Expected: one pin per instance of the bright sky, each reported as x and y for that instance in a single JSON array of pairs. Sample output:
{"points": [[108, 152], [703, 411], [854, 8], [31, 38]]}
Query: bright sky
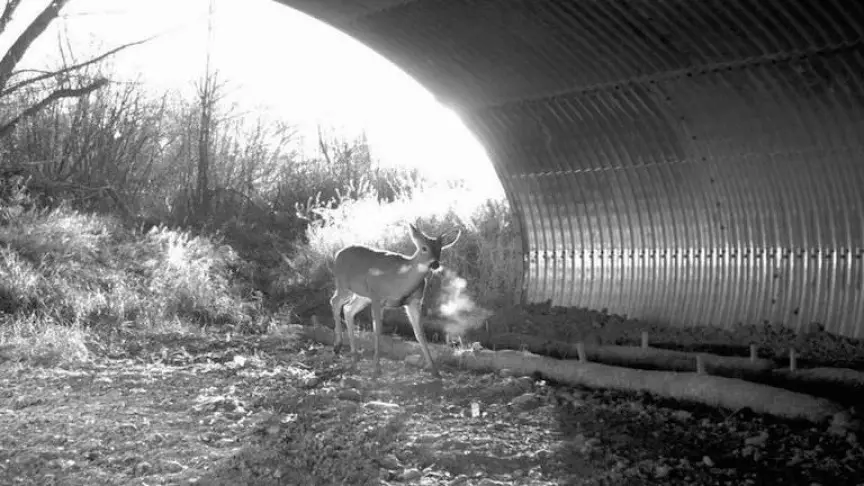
{"points": [[280, 60]]}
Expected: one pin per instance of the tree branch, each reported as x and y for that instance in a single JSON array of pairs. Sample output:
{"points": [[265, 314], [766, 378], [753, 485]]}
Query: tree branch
{"points": [[54, 96], [11, 6], [51, 74], [324, 149], [30, 34]]}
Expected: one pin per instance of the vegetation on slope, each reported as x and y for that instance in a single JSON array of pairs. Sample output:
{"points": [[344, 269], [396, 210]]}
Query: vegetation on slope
{"points": [[68, 277]]}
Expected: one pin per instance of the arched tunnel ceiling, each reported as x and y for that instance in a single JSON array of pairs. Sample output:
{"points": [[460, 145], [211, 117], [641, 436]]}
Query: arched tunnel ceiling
{"points": [[693, 162]]}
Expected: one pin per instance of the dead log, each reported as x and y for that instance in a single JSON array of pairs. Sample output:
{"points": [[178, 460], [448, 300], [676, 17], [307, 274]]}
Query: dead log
{"points": [[846, 380], [633, 356], [715, 391]]}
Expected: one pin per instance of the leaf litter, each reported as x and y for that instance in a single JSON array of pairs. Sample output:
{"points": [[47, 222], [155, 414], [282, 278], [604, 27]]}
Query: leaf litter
{"points": [[277, 410]]}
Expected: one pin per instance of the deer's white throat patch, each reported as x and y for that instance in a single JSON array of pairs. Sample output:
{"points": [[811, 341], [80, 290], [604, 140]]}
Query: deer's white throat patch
{"points": [[422, 267], [404, 268], [376, 272]]}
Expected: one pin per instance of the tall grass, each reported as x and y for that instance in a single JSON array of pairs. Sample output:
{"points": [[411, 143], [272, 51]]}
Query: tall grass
{"points": [[64, 273]]}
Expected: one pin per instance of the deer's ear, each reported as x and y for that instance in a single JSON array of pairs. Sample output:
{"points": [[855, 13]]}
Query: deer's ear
{"points": [[415, 233], [453, 242]]}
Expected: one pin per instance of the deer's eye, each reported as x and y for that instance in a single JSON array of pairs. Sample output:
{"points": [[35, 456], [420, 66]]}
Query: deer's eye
{"points": [[425, 248]]}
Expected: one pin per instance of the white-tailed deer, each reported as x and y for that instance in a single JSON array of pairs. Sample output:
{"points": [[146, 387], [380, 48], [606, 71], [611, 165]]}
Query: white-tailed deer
{"points": [[382, 278]]}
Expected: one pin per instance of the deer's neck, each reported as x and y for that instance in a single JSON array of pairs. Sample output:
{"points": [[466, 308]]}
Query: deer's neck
{"points": [[415, 267]]}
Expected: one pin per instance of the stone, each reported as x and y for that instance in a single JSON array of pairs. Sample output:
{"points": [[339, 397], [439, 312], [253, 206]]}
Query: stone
{"points": [[525, 402]]}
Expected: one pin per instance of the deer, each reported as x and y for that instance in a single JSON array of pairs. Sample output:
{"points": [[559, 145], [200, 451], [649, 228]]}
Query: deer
{"points": [[385, 279]]}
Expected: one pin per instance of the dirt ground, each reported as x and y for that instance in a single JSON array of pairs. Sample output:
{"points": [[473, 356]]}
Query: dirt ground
{"points": [[280, 411]]}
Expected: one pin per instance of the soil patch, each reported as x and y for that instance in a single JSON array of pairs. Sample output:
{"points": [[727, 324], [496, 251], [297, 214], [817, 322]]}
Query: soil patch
{"points": [[279, 410]]}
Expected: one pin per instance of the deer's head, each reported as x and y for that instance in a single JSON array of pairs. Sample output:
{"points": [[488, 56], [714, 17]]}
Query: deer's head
{"points": [[429, 248]]}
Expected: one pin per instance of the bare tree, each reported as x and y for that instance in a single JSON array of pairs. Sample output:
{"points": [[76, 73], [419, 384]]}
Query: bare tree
{"points": [[64, 84], [208, 95]]}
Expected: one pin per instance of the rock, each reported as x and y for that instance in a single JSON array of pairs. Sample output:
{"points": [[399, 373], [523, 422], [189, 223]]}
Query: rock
{"points": [[577, 441], [661, 471], [592, 443], [349, 382], [349, 394], [389, 462], [414, 360], [506, 373], [143, 468], [636, 407], [576, 401], [410, 474], [844, 420], [490, 482], [757, 440], [707, 461], [525, 402], [682, 415], [795, 460], [525, 383], [170, 467], [310, 382]]}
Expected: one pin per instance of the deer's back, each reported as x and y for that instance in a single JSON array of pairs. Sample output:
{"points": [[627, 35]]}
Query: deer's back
{"points": [[357, 256], [376, 274]]}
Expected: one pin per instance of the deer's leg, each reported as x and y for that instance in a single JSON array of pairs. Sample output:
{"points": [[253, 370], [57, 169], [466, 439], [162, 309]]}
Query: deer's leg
{"points": [[356, 305], [413, 310], [339, 299], [377, 321]]}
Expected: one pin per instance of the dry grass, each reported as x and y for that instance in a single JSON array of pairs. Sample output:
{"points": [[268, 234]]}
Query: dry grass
{"points": [[41, 341], [64, 274]]}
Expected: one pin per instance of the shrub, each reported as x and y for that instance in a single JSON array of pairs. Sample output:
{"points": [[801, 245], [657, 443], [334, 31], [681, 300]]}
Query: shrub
{"points": [[81, 271]]}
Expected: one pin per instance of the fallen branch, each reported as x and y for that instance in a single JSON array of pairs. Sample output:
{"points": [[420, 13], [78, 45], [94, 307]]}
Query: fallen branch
{"points": [[851, 381], [632, 356], [710, 390]]}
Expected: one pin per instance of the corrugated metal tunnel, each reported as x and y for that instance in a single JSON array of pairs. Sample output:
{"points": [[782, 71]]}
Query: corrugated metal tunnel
{"points": [[693, 162]]}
